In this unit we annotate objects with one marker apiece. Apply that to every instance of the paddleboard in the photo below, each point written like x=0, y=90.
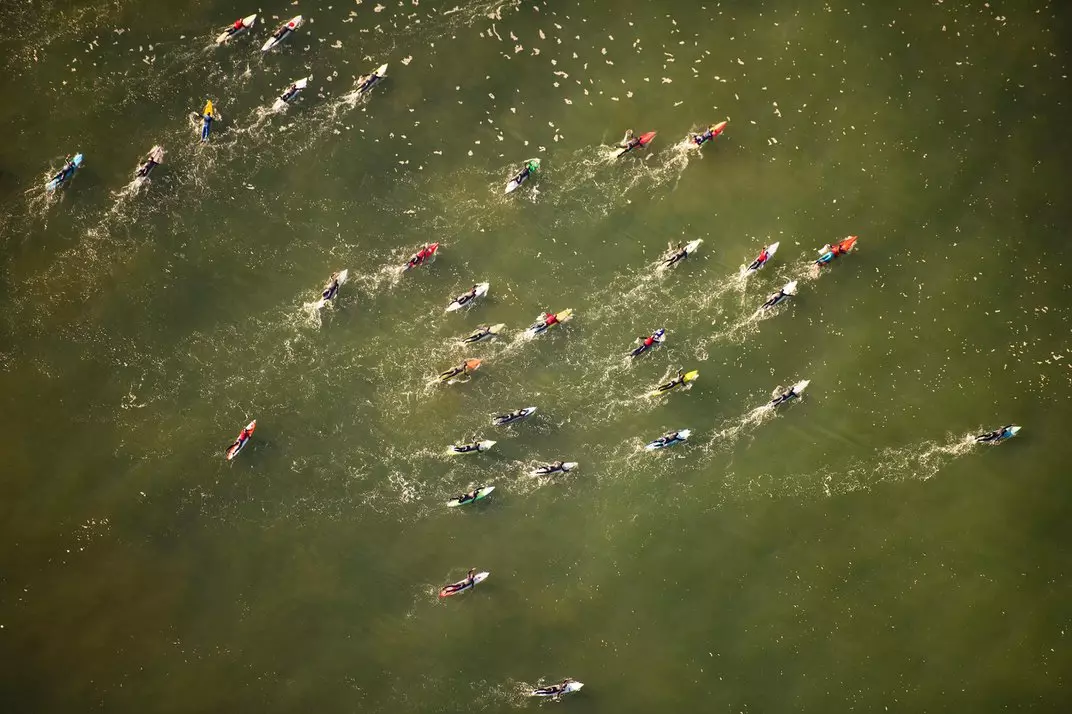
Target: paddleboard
x=481, y=291
x=482, y=493
x=478, y=578
x=247, y=22
x=233, y=449
x=525, y=413
x=645, y=139
x=515, y=183
x=54, y=183
x=283, y=33
x=283, y=100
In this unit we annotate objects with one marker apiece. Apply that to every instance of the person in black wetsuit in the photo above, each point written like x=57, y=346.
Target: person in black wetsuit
x=462, y=299
x=785, y=397
x=470, y=496
x=781, y=296
x=367, y=82
x=66, y=171
x=678, y=253
x=332, y=288
x=555, y=689
x=994, y=437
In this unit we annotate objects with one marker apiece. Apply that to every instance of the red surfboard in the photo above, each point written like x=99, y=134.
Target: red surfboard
x=846, y=245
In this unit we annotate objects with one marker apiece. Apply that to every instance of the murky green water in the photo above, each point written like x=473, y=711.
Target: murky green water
x=851, y=552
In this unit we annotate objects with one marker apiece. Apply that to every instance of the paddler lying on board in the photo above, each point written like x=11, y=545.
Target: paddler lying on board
x=243, y=437
x=629, y=142
x=675, y=254
x=367, y=81
x=555, y=689
x=154, y=159
x=237, y=27
x=548, y=319
x=461, y=370
x=66, y=171
x=332, y=288
x=711, y=133
x=470, y=579
x=530, y=168
x=292, y=90
x=1001, y=434
x=462, y=299
x=785, y=397
x=759, y=262
x=779, y=297
x=208, y=117
x=420, y=256
x=676, y=381
x=466, y=498
x=835, y=249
